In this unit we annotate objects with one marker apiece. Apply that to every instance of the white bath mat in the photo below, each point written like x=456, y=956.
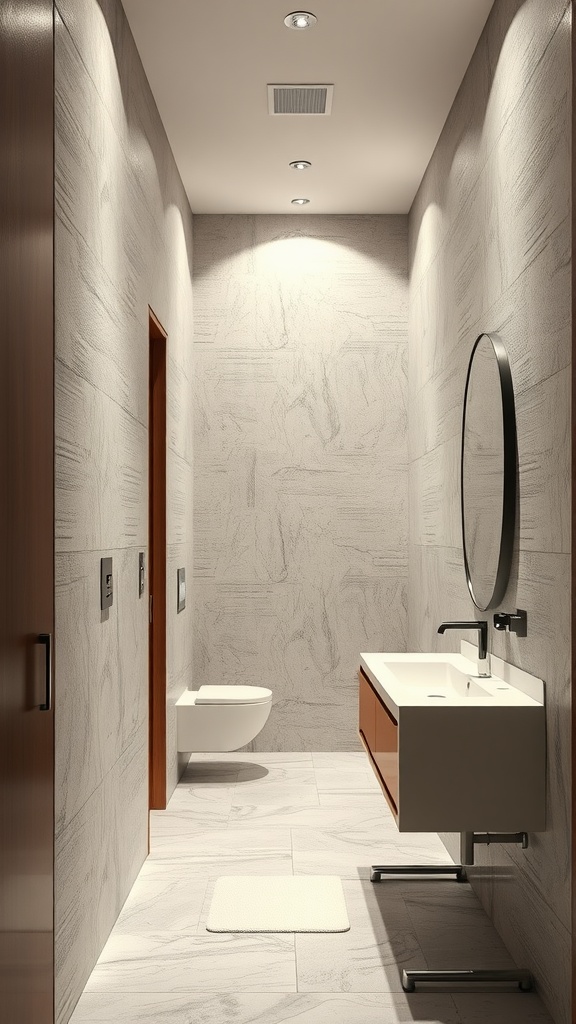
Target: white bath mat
x=278, y=903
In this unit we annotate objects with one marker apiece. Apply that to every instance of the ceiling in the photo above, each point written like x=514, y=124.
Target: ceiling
x=396, y=66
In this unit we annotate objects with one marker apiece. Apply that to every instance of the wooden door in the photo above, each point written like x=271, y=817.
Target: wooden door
x=26, y=511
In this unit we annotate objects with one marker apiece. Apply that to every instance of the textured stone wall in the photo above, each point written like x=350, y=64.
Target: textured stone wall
x=300, y=514
x=490, y=251
x=123, y=242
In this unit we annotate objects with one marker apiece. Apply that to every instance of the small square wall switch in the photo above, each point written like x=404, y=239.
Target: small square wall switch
x=181, y=589
x=106, y=584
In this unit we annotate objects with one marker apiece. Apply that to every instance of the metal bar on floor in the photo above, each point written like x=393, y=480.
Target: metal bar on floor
x=522, y=979
x=438, y=870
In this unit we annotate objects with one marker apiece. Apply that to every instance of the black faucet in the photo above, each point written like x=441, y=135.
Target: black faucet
x=482, y=628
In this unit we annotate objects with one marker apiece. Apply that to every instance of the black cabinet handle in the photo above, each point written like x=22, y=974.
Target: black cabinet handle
x=46, y=639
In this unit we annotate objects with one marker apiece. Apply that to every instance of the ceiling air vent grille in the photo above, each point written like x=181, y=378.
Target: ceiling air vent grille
x=300, y=99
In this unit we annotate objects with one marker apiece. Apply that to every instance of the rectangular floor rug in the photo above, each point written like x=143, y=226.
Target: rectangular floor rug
x=278, y=903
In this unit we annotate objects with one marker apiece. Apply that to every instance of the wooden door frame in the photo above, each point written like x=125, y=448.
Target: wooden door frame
x=157, y=561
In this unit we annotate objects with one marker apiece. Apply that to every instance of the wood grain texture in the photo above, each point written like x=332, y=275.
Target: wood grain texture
x=123, y=243
x=301, y=461
x=26, y=511
x=490, y=240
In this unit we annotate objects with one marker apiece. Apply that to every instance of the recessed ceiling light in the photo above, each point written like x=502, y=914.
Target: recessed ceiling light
x=300, y=165
x=299, y=202
x=300, y=20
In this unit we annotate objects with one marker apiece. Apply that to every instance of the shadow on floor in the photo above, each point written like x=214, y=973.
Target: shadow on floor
x=223, y=771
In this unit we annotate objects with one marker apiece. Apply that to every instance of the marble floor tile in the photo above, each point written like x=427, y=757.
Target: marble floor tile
x=200, y=781
x=454, y=931
x=223, y=852
x=282, y=762
x=364, y=815
x=247, y=813
x=266, y=1008
x=328, y=779
x=351, y=762
x=168, y=870
x=172, y=962
x=207, y=806
x=284, y=794
x=351, y=798
x=287, y=757
x=217, y=764
x=509, y=1008
x=371, y=956
x=252, y=862
x=350, y=853
x=181, y=822
x=277, y=774
x=206, y=775
x=212, y=788
x=174, y=904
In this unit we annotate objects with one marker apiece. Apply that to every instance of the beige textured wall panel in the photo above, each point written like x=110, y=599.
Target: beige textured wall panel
x=101, y=700
x=102, y=463
x=301, y=462
x=490, y=251
x=98, y=858
x=533, y=306
x=481, y=113
x=123, y=242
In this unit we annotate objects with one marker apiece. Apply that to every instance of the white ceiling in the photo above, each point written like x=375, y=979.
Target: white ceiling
x=396, y=66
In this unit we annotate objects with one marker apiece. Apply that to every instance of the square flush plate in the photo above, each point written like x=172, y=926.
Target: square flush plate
x=106, y=584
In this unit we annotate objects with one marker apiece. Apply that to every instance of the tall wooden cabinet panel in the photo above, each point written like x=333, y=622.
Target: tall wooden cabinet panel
x=26, y=511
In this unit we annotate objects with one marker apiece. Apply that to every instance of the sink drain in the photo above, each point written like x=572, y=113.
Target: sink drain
x=439, y=696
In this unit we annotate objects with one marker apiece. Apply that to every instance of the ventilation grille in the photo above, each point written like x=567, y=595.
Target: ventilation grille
x=300, y=99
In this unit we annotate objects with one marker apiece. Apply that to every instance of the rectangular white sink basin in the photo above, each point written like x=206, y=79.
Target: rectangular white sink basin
x=449, y=680
x=455, y=752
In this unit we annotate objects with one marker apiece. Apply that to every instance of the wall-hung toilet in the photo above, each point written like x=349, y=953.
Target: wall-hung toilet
x=218, y=718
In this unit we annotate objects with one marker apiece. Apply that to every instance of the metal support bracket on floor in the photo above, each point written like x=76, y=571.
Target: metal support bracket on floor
x=522, y=979
x=440, y=870
x=468, y=840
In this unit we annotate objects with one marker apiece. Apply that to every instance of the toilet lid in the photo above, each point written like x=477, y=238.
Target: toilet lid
x=233, y=695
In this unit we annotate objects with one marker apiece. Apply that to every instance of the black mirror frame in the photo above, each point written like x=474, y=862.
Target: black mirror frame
x=510, y=442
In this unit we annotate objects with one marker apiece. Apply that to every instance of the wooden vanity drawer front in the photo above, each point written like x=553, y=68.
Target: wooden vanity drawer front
x=385, y=749
x=367, y=711
x=379, y=732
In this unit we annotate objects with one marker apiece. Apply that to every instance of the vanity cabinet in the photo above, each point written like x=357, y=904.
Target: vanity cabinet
x=453, y=761
x=379, y=734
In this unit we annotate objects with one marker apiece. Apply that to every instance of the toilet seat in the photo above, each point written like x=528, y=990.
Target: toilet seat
x=233, y=695
x=219, y=718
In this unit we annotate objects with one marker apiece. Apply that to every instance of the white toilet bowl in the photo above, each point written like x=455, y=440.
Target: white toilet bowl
x=218, y=718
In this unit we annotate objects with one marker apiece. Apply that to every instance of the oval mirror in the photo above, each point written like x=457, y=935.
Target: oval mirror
x=488, y=472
